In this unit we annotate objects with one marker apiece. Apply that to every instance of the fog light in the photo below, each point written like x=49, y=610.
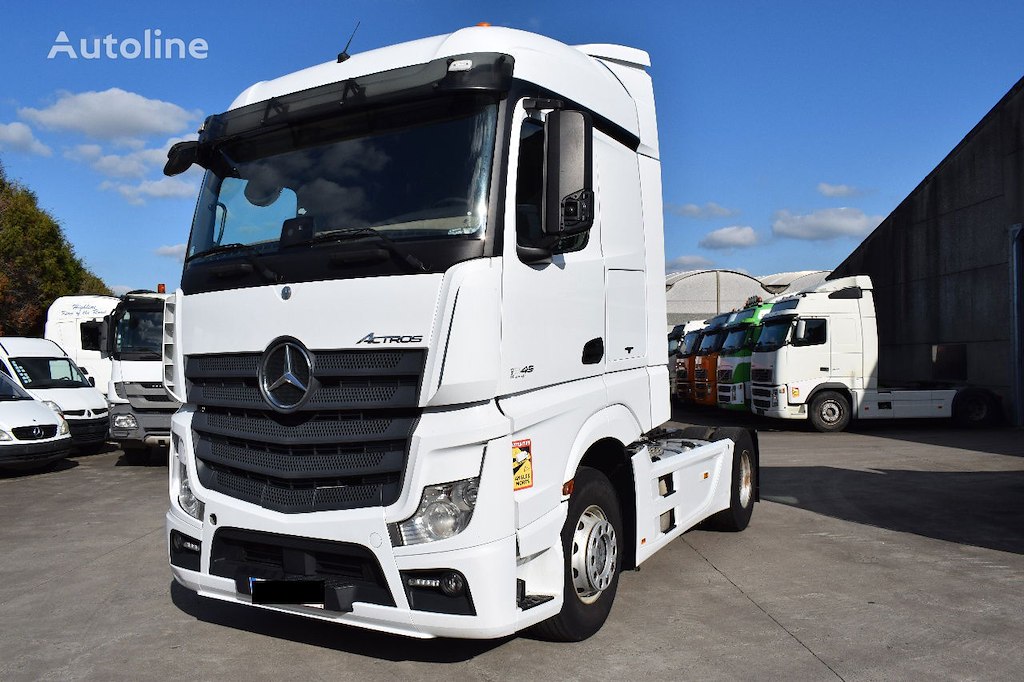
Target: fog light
x=125, y=421
x=453, y=584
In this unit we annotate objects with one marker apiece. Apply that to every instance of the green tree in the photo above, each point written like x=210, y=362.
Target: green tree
x=37, y=264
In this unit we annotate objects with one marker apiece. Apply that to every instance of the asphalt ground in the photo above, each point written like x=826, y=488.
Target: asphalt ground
x=895, y=551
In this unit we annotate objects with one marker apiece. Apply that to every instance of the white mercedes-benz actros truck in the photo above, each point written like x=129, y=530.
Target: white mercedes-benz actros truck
x=420, y=346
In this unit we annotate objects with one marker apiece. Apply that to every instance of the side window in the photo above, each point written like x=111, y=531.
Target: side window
x=4, y=370
x=530, y=192
x=814, y=333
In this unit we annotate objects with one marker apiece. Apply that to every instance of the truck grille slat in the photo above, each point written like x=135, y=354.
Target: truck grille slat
x=761, y=375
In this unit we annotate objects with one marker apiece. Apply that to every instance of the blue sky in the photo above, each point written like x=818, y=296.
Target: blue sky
x=788, y=129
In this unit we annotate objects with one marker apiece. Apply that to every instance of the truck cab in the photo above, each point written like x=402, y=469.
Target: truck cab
x=705, y=362
x=140, y=407
x=420, y=346
x=734, y=358
x=817, y=359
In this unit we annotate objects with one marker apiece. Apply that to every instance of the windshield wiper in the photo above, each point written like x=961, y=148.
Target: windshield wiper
x=252, y=255
x=359, y=232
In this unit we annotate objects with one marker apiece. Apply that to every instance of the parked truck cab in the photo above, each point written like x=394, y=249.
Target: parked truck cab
x=734, y=358
x=420, y=345
x=817, y=359
x=705, y=364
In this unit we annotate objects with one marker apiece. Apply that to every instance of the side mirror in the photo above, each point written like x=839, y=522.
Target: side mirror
x=93, y=335
x=180, y=157
x=568, y=173
x=799, y=334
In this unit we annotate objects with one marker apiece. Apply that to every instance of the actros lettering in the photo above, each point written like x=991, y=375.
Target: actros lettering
x=373, y=338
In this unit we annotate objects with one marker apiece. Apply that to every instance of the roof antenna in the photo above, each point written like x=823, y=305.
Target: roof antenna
x=344, y=55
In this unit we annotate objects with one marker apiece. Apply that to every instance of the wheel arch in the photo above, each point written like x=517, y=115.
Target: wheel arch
x=842, y=389
x=601, y=444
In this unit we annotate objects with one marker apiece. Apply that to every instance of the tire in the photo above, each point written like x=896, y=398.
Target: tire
x=973, y=408
x=830, y=411
x=587, y=540
x=743, y=485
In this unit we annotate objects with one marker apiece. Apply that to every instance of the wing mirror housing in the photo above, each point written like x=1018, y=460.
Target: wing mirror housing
x=180, y=157
x=568, y=207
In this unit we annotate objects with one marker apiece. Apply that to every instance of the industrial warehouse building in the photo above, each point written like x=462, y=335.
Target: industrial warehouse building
x=701, y=294
x=947, y=263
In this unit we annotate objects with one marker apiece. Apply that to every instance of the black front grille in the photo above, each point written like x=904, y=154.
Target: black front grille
x=725, y=376
x=89, y=429
x=761, y=376
x=700, y=374
x=243, y=554
x=34, y=432
x=346, y=447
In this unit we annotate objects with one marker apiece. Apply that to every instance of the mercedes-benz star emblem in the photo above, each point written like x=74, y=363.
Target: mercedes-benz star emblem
x=37, y=432
x=286, y=375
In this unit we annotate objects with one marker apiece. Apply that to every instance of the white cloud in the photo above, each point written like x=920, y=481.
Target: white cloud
x=18, y=137
x=121, y=289
x=164, y=188
x=828, y=223
x=84, y=152
x=732, y=237
x=707, y=211
x=176, y=251
x=682, y=263
x=825, y=189
x=111, y=114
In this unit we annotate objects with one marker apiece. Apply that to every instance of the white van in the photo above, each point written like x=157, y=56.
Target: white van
x=31, y=434
x=48, y=374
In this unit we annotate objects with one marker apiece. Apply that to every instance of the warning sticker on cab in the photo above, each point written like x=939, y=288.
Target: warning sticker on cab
x=522, y=464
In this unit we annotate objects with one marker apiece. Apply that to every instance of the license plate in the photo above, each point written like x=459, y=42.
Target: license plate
x=309, y=592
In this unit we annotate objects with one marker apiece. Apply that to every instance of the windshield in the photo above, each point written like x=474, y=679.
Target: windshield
x=48, y=373
x=10, y=390
x=774, y=334
x=690, y=342
x=412, y=172
x=138, y=335
x=711, y=342
x=735, y=340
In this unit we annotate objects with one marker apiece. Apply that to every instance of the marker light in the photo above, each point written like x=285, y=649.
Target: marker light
x=161, y=288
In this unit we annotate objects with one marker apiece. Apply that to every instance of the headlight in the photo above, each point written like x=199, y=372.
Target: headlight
x=5, y=436
x=125, y=421
x=444, y=512
x=54, y=406
x=64, y=428
x=189, y=502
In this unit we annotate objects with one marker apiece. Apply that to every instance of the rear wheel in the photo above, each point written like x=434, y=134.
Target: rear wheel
x=592, y=546
x=830, y=411
x=744, y=481
x=973, y=408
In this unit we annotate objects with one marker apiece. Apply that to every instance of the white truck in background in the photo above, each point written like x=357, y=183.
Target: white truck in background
x=64, y=319
x=817, y=359
x=404, y=267
x=121, y=350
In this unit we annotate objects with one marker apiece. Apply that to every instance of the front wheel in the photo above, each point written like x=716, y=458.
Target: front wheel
x=830, y=411
x=592, y=547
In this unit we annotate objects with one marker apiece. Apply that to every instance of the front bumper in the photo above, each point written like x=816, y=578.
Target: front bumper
x=154, y=427
x=732, y=396
x=771, y=401
x=489, y=571
x=448, y=445
x=21, y=455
